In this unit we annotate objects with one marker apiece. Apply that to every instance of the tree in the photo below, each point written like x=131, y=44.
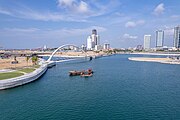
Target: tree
x=34, y=60
x=15, y=58
x=27, y=59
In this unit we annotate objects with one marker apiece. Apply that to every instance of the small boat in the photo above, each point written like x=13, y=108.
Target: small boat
x=75, y=73
x=86, y=75
x=78, y=73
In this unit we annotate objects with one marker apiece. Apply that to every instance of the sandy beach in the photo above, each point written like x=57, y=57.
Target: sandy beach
x=163, y=54
x=160, y=60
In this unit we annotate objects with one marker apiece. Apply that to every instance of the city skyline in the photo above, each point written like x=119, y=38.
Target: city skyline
x=31, y=24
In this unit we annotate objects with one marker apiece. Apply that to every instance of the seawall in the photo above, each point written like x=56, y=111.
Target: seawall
x=24, y=79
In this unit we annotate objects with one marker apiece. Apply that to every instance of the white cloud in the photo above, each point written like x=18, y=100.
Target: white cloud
x=131, y=24
x=2, y=11
x=28, y=13
x=21, y=29
x=74, y=6
x=127, y=36
x=83, y=7
x=175, y=17
x=64, y=32
x=41, y=16
x=51, y=37
x=65, y=3
x=69, y=10
x=159, y=9
x=140, y=22
x=79, y=32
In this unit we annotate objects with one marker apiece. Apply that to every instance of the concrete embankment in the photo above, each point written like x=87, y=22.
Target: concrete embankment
x=13, y=82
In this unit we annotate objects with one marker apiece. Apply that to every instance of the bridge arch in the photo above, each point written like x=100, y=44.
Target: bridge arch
x=49, y=59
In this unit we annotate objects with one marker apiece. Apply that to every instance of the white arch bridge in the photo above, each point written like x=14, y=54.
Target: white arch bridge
x=70, y=58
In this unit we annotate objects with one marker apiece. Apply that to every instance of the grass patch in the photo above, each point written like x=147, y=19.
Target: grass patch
x=36, y=66
x=17, y=73
x=27, y=70
x=10, y=75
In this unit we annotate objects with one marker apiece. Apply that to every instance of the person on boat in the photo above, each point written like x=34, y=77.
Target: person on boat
x=83, y=72
x=89, y=71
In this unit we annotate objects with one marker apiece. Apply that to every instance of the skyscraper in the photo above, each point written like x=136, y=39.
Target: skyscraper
x=177, y=37
x=159, y=38
x=106, y=46
x=94, y=31
x=147, y=42
x=93, y=40
x=89, y=43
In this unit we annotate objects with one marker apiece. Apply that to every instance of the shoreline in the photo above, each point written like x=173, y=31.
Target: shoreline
x=163, y=54
x=159, y=60
x=24, y=79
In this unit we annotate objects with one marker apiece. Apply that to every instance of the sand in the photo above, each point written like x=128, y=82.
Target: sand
x=160, y=60
x=6, y=63
x=89, y=53
x=163, y=54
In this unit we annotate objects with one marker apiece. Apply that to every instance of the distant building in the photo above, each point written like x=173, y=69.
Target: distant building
x=139, y=47
x=106, y=46
x=98, y=47
x=93, y=40
x=97, y=40
x=147, y=42
x=83, y=47
x=89, y=43
x=177, y=37
x=45, y=47
x=159, y=38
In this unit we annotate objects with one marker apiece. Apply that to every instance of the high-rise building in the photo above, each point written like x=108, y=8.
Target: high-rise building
x=93, y=40
x=83, y=47
x=159, y=38
x=147, y=42
x=97, y=40
x=94, y=31
x=45, y=47
x=106, y=46
x=89, y=43
x=177, y=37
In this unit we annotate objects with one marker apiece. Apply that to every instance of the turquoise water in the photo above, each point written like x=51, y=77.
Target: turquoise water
x=119, y=89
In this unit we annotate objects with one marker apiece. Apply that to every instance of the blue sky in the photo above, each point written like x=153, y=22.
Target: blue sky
x=122, y=23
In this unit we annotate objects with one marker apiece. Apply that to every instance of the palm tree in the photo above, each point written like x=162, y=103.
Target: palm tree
x=27, y=59
x=34, y=60
x=15, y=58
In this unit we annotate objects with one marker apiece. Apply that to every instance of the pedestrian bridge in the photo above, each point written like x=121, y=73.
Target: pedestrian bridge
x=63, y=58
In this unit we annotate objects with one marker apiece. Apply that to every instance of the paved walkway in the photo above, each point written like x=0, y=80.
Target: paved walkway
x=6, y=70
